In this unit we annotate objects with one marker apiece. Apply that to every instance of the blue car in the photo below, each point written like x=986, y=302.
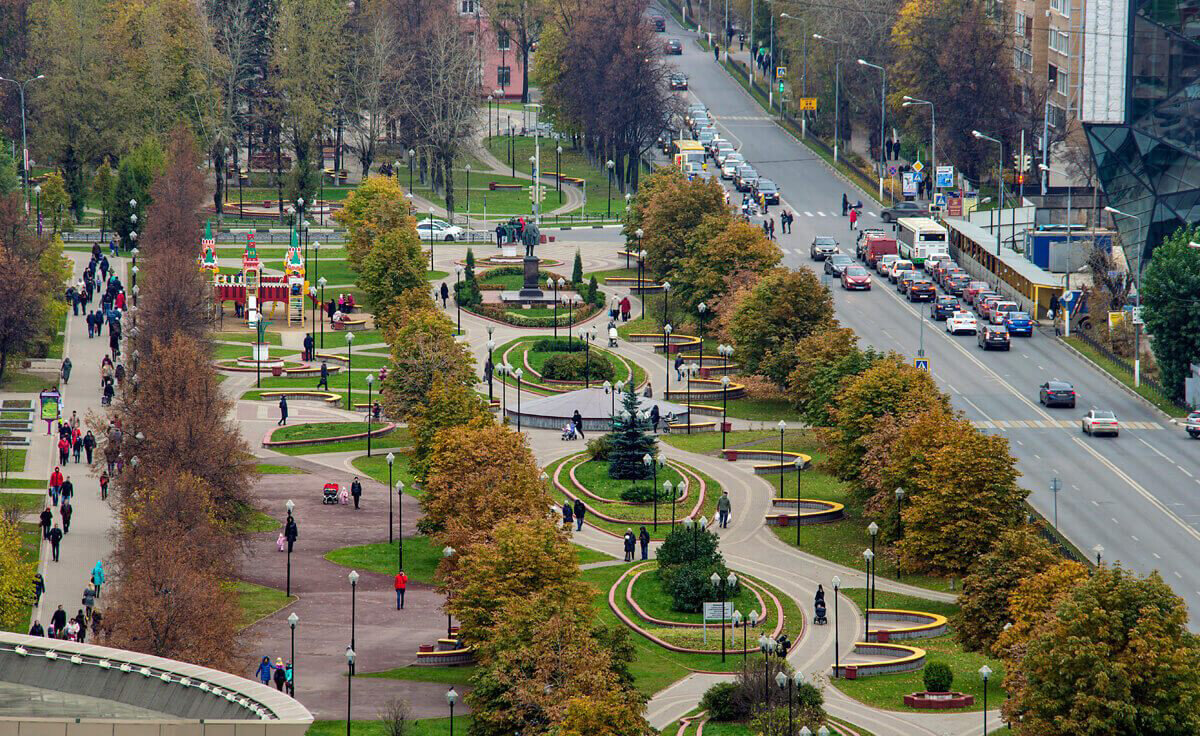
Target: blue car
x=1019, y=323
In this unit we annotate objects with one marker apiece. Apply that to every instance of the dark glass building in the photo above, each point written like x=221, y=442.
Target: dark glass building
x=1141, y=113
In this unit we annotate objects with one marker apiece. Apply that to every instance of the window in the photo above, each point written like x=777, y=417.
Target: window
x=1062, y=7
x=1022, y=60
x=1063, y=85
x=1052, y=74
x=503, y=40
x=468, y=7
x=1019, y=27
x=1060, y=41
x=1058, y=116
x=503, y=76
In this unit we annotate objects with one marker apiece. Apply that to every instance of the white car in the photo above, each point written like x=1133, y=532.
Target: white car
x=439, y=230
x=730, y=164
x=998, y=312
x=1100, y=421
x=962, y=323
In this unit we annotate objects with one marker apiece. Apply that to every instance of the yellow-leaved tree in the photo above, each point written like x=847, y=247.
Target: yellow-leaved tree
x=16, y=579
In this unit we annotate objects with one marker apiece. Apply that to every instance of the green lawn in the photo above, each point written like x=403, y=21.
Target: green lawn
x=574, y=163
x=422, y=727
x=587, y=555
x=12, y=460
x=17, y=382
x=379, y=444
x=624, y=369
x=1115, y=371
x=649, y=594
x=319, y=430
x=31, y=541
x=222, y=351
x=594, y=475
x=247, y=336
x=272, y=469
x=888, y=691
x=759, y=410
x=258, y=601
x=25, y=503
x=376, y=467
x=41, y=483
x=421, y=556
x=256, y=521
x=499, y=202
x=445, y=675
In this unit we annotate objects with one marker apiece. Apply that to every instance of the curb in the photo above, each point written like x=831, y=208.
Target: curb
x=1113, y=379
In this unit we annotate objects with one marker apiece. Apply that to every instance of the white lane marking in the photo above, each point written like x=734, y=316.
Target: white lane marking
x=1134, y=538
x=807, y=214
x=1186, y=472
x=1177, y=574
x=1114, y=520
x=1155, y=450
x=1157, y=556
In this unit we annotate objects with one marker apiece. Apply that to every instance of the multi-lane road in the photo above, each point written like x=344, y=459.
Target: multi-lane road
x=1137, y=496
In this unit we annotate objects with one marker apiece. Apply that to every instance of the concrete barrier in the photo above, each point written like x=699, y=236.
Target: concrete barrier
x=904, y=659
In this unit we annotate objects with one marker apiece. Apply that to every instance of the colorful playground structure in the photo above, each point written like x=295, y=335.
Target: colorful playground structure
x=251, y=288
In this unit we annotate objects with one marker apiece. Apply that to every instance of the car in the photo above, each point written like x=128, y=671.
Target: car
x=996, y=313
x=678, y=82
x=439, y=230
x=984, y=303
x=860, y=248
x=659, y=22
x=920, y=289
x=836, y=263
x=693, y=111
x=730, y=164
x=943, y=307
x=706, y=136
x=884, y=263
x=903, y=281
x=957, y=285
x=973, y=288
x=823, y=246
x=904, y=209
x=745, y=179
x=1057, y=393
x=721, y=149
x=960, y=322
x=945, y=274
x=993, y=336
x=898, y=268
x=1019, y=323
x=1100, y=421
x=701, y=121
x=856, y=277
x=766, y=191
x=673, y=46
x=935, y=262
x=1192, y=424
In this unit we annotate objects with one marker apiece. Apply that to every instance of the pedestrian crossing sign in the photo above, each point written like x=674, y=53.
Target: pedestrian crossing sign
x=939, y=200
x=921, y=364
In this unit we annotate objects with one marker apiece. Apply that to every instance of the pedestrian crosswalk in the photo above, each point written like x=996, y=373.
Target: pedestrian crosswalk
x=1049, y=424
x=743, y=118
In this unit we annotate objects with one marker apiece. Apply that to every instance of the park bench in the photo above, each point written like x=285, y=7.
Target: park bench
x=327, y=396
x=904, y=659
x=351, y=325
x=497, y=186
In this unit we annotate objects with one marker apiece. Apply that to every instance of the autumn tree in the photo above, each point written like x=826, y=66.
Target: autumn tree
x=377, y=206
x=603, y=714
x=1116, y=657
x=635, y=213
x=1018, y=554
x=424, y=347
x=448, y=406
x=24, y=303
x=135, y=175
x=479, y=476
x=1030, y=603
x=395, y=264
x=670, y=215
x=721, y=245
x=889, y=387
x=822, y=361
x=16, y=578
x=781, y=307
x=172, y=225
x=1174, y=321
x=54, y=202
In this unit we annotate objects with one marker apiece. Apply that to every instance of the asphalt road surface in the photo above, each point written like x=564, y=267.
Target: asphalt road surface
x=1135, y=495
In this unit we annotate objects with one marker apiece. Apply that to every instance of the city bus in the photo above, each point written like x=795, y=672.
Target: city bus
x=919, y=238
x=687, y=151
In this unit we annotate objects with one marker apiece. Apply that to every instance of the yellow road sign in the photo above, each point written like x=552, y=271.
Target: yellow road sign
x=807, y=103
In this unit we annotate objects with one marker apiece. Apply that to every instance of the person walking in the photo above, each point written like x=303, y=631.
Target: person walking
x=577, y=420
x=36, y=629
x=356, y=490
x=291, y=532
x=68, y=489
x=626, y=306
x=580, y=510
x=39, y=587
x=98, y=576
x=89, y=445
x=853, y=219
x=55, y=538
x=279, y=674
x=644, y=540
x=654, y=418
x=58, y=620
x=46, y=518
x=401, y=586
x=717, y=53
x=56, y=479
x=324, y=382
x=76, y=445
x=445, y=292
x=648, y=392
x=679, y=366
x=568, y=515
x=264, y=671
x=103, y=486
x=845, y=204
x=64, y=450
x=283, y=411
x=724, y=508
x=65, y=511
x=771, y=228
x=89, y=599
x=630, y=543
x=308, y=347
x=66, y=370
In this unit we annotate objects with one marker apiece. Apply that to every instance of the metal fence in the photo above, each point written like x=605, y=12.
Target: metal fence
x=1126, y=367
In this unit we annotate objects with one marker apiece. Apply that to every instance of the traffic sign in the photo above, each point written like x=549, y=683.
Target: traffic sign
x=921, y=364
x=781, y=72
x=781, y=88
x=892, y=170
x=807, y=103
x=939, y=200
x=917, y=166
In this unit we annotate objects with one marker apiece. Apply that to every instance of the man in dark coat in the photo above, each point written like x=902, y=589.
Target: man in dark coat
x=445, y=292
x=55, y=538
x=308, y=347
x=324, y=382
x=577, y=420
x=59, y=620
x=291, y=532
x=283, y=411
x=356, y=490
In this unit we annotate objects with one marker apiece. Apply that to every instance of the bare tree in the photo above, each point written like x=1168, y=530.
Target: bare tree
x=373, y=74
x=395, y=714
x=226, y=61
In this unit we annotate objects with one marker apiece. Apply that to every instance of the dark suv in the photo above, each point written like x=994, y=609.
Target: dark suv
x=944, y=307
x=904, y=209
x=1057, y=393
x=921, y=288
x=993, y=336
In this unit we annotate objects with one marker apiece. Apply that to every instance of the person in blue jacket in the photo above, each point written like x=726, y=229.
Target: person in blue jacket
x=264, y=671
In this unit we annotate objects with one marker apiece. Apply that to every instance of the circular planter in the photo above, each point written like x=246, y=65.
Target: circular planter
x=926, y=700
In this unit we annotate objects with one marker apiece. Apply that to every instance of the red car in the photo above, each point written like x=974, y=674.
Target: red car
x=855, y=277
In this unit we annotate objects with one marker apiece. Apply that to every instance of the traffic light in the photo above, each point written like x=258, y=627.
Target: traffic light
x=1022, y=162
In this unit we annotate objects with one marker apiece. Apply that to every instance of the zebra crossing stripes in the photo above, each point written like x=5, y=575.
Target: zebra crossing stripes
x=1044, y=424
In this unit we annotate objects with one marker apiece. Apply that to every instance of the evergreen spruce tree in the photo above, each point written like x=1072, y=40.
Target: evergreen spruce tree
x=630, y=442
x=577, y=270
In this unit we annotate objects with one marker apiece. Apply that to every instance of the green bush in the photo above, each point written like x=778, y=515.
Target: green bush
x=575, y=366
x=599, y=448
x=722, y=703
x=467, y=294
x=689, y=585
x=938, y=677
x=643, y=493
x=559, y=345
x=684, y=545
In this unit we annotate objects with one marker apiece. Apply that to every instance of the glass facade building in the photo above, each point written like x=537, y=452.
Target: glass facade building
x=1142, y=114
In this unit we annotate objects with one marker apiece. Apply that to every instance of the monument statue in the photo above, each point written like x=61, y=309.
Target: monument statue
x=532, y=237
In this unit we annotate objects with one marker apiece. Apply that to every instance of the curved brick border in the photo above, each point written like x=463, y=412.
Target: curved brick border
x=548, y=384
x=823, y=512
x=928, y=625
x=686, y=470
x=683, y=624
x=909, y=659
x=612, y=604
x=575, y=481
x=300, y=394
x=926, y=700
x=268, y=442
x=775, y=468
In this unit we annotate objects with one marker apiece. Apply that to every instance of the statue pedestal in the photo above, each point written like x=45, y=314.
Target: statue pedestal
x=532, y=286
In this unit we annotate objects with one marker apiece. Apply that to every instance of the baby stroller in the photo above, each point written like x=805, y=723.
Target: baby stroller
x=329, y=495
x=819, y=617
x=568, y=432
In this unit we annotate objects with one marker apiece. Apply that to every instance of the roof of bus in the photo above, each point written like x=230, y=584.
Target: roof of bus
x=920, y=223
x=689, y=145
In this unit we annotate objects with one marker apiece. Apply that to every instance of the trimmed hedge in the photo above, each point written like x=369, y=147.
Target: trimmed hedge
x=575, y=366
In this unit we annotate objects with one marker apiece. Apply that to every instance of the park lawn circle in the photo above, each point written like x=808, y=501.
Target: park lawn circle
x=648, y=593
x=633, y=516
x=593, y=474
x=320, y=430
x=888, y=691
x=519, y=353
x=421, y=557
x=512, y=278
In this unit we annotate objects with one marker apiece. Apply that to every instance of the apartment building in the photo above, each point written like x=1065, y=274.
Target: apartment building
x=1047, y=56
x=500, y=67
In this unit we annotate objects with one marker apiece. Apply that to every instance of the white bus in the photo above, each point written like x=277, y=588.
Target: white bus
x=919, y=238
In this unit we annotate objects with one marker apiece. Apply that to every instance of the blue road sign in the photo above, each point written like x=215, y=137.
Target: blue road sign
x=921, y=364
x=939, y=200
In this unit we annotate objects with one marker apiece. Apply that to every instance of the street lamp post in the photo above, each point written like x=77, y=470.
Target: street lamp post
x=766, y=645
x=724, y=408
x=869, y=560
x=399, y=525
x=985, y=672
x=589, y=336
x=667, y=352
x=502, y=369
x=725, y=586
x=609, y=165
x=451, y=697
x=24, y=141
x=837, y=586
x=882, y=120
x=370, y=380
x=518, y=373
x=669, y=489
x=999, y=183
x=349, y=370
x=390, y=459
x=1099, y=554
x=909, y=102
x=37, y=203
x=666, y=287
x=701, y=310
x=558, y=172
x=899, y=526
x=458, y=270
x=353, y=578
x=873, y=530
x=641, y=284
x=349, y=680
x=411, y=154
x=292, y=620
x=447, y=553
x=837, y=90
x=288, y=526
x=1137, y=287
x=799, y=465
x=468, y=194
x=781, y=427
x=785, y=685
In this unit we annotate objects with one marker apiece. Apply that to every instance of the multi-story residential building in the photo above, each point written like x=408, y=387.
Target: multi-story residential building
x=1047, y=56
x=500, y=66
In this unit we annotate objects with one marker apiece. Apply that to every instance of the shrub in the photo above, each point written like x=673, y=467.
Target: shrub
x=639, y=494
x=577, y=269
x=722, y=703
x=600, y=447
x=688, y=584
x=575, y=366
x=938, y=677
x=467, y=294
x=684, y=545
x=560, y=345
